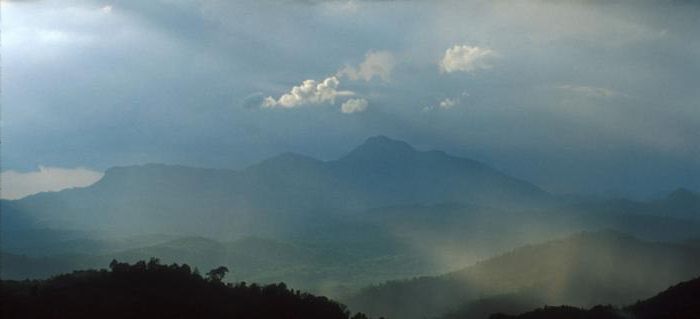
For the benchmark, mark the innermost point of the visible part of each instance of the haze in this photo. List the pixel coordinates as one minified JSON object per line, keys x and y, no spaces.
{"x":350,"y":159}
{"x":577,"y":97}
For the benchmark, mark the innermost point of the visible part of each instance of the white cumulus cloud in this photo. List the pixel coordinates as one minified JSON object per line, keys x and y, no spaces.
{"x":464,"y":58}
{"x":47,"y":179}
{"x":309,"y":92}
{"x":376,"y":64}
{"x":354,"y":106}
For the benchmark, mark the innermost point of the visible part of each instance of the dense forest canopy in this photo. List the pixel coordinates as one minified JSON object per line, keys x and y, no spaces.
{"x":153,"y":290}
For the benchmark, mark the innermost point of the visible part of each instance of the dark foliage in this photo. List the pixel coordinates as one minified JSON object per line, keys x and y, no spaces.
{"x":152,"y":290}
{"x":568,"y":312}
{"x":681,"y":301}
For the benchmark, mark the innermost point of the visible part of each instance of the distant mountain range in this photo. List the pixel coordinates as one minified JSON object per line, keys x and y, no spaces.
{"x":681,"y":204}
{"x":273,"y":196}
{"x":281,"y":194}
{"x":383,"y":211}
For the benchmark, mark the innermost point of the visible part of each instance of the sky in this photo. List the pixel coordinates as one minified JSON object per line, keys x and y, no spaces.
{"x":595,"y":97}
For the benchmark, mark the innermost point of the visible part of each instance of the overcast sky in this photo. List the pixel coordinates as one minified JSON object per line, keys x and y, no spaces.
{"x":575,"y":96}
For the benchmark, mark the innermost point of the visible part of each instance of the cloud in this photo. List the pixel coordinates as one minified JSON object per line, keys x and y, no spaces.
{"x":47,"y":179}
{"x":376,"y":64}
{"x":354,"y":106}
{"x":309,"y":92}
{"x":445,"y":104}
{"x":465,"y":58}
{"x":590,"y":91}
{"x":448,"y":103}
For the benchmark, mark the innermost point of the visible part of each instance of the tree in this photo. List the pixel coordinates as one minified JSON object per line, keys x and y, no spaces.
{"x":359,"y":315}
{"x":217,"y":274}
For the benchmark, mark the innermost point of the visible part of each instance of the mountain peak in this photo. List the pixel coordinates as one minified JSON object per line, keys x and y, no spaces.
{"x":384,"y":140}
{"x":381,"y":146}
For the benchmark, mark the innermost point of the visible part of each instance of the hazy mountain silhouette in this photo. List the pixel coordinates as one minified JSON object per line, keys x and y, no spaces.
{"x":333,"y":256}
{"x":583,"y":270}
{"x":275,"y":195}
{"x":382,"y":211}
{"x":681,"y":203}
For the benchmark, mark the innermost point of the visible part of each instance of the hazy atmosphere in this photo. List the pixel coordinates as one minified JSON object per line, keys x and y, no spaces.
{"x":389,"y":159}
{"x":576,"y":96}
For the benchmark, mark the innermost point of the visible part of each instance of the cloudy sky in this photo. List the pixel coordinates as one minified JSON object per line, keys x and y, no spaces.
{"x":575,"y":96}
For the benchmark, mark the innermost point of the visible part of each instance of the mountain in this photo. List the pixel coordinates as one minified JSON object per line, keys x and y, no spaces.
{"x":152,"y":290}
{"x":341,"y":256}
{"x":272,"y":197}
{"x":392,"y":172}
{"x":383,"y":211}
{"x":680,"y":204}
{"x":454,"y":235}
{"x":582,"y":270}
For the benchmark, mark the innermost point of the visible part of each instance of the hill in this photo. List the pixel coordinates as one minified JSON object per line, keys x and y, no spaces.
{"x":337,"y":256}
{"x":329,"y":268}
{"x":152,"y":290}
{"x":679,"y":204}
{"x":582,"y":270}
{"x":682,"y":301}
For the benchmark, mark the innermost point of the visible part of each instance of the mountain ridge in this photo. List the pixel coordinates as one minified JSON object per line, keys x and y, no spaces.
{"x":282,"y":190}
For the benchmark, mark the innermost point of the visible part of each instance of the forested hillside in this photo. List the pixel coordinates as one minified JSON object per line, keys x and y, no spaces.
{"x":582,"y":270}
{"x":152,"y":290}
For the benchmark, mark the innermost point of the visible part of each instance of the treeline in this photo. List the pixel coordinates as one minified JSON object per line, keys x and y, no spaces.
{"x":153,"y":290}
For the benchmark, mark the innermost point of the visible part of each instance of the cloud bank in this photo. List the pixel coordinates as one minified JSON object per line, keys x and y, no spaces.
{"x":16,"y":185}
